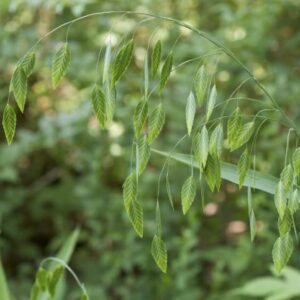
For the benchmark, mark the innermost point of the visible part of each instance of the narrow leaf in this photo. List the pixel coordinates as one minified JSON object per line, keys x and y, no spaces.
{"x":282,"y":251}
{"x":233,"y":127}
{"x":156,"y":123}
{"x":296,"y":161}
{"x":19,"y":87}
{"x":54,"y":279}
{"x":129,"y":190}
{"x":243,"y":166}
{"x":60,"y":64}
{"x":27,"y":63}
{"x":211,"y":102}
{"x":204,"y":145}
{"x":139,"y":118}
{"x":155,"y":58}
{"x":144,"y":153}
{"x":135,"y":213}
{"x":293,"y":202}
{"x":212,"y":172}
{"x":200,"y":84}
{"x":159,"y":253}
{"x":166,"y":71}
{"x":286,"y":177}
{"x":122,"y":61}
{"x":190,"y":112}
{"x":188,"y":194}
{"x":9,"y":122}
{"x":243,"y":135}
{"x":99,"y":104}
{"x":280,"y":199}
{"x":285,"y":223}
{"x":216,"y":141}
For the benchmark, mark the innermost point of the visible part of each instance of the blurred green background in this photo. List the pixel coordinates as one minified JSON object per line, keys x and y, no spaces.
{"x":62,"y":171}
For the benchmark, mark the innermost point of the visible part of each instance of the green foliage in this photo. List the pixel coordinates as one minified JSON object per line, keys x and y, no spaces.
{"x":190,"y":111}
{"x":188,"y":193}
{"x":27,"y":63}
{"x":144,"y":154}
{"x":155,"y":58}
{"x":243,"y":166}
{"x":19,"y":87}
{"x":60,"y":63}
{"x":200,"y":84}
{"x":140,"y":117}
{"x":122,"y":61}
{"x":216,"y":141}
{"x":156,"y":123}
{"x":211,"y":102}
{"x":280,"y":199}
{"x":286,"y":177}
{"x":9,"y":122}
{"x":99,"y":104}
{"x":282,"y":251}
{"x":159,"y":253}
{"x":166,"y":71}
{"x":296,"y":161}
{"x":212,"y":172}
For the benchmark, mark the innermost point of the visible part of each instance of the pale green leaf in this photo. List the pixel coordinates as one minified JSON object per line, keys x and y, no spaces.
{"x":188,"y":194}
{"x":201,"y":146}
{"x":200,"y":84}
{"x":144,"y":154}
{"x":129,"y":190}
{"x":216,"y":141}
{"x":19,"y":87}
{"x":99,"y":104}
{"x":293,"y":202}
{"x":60,"y":64}
{"x":42,"y":279}
{"x":140,"y":117}
{"x":296,"y":161}
{"x":122,"y":61}
{"x":233,"y":127}
{"x":285,"y":223}
{"x":9,"y":122}
{"x":211,"y":102}
{"x":135,"y":213}
{"x":159,"y":253}
{"x":110,"y":102}
{"x":282,"y":251}
{"x":212,"y":172}
{"x":280,"y":199}
{"x":286,"y":177}
{"x":54,"y":279}
{"x":35,"y":291}
{"x":84,"y":296}
{"x":243,"y":135}
{"x":243,"y":166}
{"x":4,"y":292}
{"x":27,"y":63}
{"x":156,"y":123}
{"x":252,"y":225}
{"x":190,"y":112}
{"x":166,"y":71}
{"x":155,"y":58}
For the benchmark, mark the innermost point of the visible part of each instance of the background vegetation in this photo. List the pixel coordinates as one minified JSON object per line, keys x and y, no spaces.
{"x":62,"y":171}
